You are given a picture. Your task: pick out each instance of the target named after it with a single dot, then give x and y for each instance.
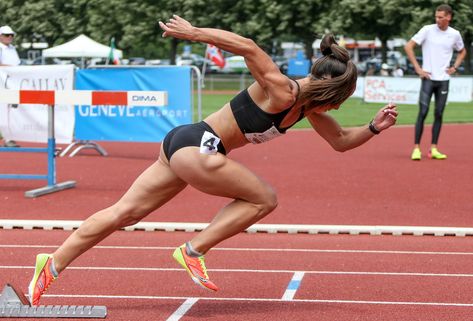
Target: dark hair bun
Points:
(327, 51)
(326, 43)
(328, 46)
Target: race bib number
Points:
(209, 143)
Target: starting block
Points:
(14, 304)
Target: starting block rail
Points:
(14, 304)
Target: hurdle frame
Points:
(52, 185)
(51, 98)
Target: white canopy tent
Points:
(81, 47)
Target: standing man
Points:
(8, 57)
(438, 41)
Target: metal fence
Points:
(233, 82)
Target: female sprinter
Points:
(196, 154)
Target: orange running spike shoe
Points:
(195, 266)
(42, 278)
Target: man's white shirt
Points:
(8, 55)
(437, 49)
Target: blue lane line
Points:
(293, 286)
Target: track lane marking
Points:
(144, 269)
(151, 297)
(181, 311)
(293, 286)
(166, 248)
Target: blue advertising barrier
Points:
(134, 123)
(299, 66)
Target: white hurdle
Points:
(68, 97)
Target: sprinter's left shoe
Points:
(416, 154)
(42, 278)
(195, 266)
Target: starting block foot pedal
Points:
(14, 304)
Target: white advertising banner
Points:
(405, 90)
(28, 122)
(460, 89)
(360, 87)
(391, 89)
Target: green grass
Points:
(355, 112)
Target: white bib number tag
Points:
(209, 143)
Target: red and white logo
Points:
(215, 54)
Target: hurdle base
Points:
(14, 304)
(83, 144)
(50, 189)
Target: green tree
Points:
(384, 19)
(243, 17)
(463, 21)
(134, 23)
(305, 20)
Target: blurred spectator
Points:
(398, 71)
(8, 54)
(384, 70)
(8, 57)
(371, 71)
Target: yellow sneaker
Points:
(435, 154)
(195, 266)
(416, 154)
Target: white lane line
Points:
(181, 311)
(145, 269)
(293, 286)
(150, 297)
(166, 248)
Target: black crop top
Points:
(257, 125)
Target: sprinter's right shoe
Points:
(435, 154)
(195, 266)
(42, 278)
(416, 154)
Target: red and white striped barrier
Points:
(84, 97)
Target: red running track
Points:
(344, 277)
(376, 184)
